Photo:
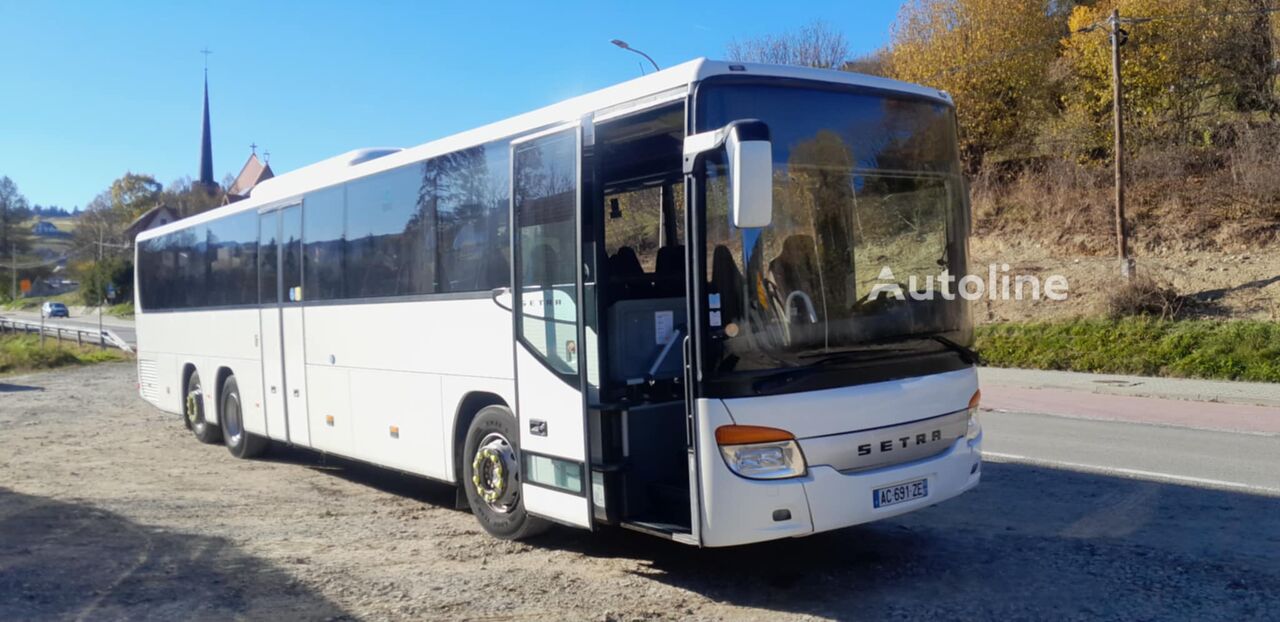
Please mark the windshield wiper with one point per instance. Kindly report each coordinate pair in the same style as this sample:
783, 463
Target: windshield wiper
968, 355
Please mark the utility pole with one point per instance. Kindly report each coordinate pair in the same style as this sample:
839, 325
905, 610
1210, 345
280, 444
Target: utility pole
1118, 38
13, 269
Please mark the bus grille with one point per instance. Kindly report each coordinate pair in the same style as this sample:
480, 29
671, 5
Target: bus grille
148, 379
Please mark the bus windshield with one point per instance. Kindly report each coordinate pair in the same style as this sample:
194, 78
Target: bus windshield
868, 214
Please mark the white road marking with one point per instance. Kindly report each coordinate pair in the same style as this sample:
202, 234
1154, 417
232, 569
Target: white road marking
1133, 473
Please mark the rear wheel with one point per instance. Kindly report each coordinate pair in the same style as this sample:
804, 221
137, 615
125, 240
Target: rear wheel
193, 412
239, 442
491, 476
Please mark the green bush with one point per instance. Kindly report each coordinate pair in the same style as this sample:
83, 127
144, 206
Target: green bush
1226, 350
95, 276
24, 353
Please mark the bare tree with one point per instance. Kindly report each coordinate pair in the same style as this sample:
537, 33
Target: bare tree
813, 45
875, 63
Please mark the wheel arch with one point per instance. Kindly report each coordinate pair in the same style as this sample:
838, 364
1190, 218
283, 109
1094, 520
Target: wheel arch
471, 404
224, 372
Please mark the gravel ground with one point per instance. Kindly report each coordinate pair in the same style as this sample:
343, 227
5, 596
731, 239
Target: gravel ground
109, 509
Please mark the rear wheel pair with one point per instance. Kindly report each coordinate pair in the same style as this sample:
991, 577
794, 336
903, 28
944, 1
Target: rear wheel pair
239, 442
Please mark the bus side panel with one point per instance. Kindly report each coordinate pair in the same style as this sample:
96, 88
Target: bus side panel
399, 420
398, 356
210, 340
329, 413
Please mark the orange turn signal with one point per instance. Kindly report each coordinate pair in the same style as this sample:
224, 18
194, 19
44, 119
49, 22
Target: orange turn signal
744, 434
977, 397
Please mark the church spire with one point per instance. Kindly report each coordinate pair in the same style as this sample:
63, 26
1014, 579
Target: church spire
206, 140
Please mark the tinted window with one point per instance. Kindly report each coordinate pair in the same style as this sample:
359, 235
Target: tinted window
151, 277
546, 292
291, 253
232, 255
268, 258
323, 222
469, 192
387, 250
190, 248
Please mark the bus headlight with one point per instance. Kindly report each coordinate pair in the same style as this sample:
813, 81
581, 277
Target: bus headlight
757, 452
975, 427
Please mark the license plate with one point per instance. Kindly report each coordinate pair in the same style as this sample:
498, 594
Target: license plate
899, 493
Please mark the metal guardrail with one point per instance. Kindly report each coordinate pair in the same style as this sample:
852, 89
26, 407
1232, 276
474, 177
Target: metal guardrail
79, 334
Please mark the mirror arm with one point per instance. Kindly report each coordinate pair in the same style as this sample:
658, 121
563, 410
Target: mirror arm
696, 146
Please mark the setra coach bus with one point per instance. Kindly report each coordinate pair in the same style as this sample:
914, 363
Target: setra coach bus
653, 306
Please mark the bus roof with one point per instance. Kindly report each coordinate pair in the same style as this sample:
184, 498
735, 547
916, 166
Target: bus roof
665, 85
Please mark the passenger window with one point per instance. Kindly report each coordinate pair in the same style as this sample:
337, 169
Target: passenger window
323, 222
388, 249
233, 245
469, 189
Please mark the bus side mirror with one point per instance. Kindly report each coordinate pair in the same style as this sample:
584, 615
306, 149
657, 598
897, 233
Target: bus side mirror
750, 156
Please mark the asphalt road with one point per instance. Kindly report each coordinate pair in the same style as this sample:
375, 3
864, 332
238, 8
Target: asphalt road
1246, 462
123, 328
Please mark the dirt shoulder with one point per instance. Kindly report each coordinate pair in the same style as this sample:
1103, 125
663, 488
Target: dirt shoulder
1241, 285
110, 510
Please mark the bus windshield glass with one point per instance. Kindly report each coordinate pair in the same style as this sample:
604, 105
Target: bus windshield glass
868, 217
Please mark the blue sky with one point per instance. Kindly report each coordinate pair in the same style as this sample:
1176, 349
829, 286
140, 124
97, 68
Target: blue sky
91, 90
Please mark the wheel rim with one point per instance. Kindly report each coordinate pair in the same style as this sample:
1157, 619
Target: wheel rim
231, 411
194, 397
495, 474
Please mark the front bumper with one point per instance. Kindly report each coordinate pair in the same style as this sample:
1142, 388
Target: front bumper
742, 511
839, 500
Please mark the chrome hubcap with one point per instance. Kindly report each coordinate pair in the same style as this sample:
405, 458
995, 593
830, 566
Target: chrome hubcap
194, 396
494, 473
231, 410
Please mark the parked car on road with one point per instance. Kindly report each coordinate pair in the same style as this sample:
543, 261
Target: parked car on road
54, 309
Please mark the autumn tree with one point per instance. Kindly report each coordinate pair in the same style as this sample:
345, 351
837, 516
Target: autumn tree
134, 194
1184, 61
990, 55
813, 45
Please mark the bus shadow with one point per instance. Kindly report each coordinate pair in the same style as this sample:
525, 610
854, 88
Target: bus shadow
1029, 543
65, 560
17, 388
379, 478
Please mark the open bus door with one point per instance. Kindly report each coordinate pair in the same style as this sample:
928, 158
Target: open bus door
547, 285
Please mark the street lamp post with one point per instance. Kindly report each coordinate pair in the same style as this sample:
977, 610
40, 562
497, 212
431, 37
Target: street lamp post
623, 44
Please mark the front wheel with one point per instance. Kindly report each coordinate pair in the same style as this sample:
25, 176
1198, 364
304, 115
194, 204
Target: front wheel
193, 412
239, 442
491, 476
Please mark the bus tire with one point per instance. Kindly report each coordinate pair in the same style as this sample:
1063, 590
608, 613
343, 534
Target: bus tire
193, 411
491, 476
239, 441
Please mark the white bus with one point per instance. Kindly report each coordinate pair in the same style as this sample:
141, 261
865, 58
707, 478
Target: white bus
697, 353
